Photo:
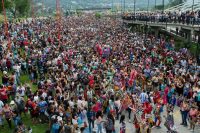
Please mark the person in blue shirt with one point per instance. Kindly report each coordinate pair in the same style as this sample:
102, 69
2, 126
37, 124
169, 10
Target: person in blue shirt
56, 126
170, 93
16, 119
90, 116
173, 100
42, 105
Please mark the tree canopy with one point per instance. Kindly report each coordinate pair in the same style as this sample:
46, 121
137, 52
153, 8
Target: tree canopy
7, 4
17, 7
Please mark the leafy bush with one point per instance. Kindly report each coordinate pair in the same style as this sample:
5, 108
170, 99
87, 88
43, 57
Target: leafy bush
1, 18
98, 15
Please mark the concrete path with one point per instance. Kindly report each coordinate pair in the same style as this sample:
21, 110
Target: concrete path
130, 128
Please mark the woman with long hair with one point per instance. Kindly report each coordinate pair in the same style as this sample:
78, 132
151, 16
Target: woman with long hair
99, 120
110, 124
136, 124
122, 124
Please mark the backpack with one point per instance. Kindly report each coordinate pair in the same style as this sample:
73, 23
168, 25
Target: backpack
67, 129
55, 128
20, 91
198, 96
21, 105
109, 125
8, 114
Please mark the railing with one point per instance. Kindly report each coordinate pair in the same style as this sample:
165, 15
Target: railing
188, 20
166, 21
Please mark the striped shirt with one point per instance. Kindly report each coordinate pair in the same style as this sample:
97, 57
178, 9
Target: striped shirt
143, 97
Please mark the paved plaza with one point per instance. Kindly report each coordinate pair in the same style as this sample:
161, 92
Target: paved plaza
177, 118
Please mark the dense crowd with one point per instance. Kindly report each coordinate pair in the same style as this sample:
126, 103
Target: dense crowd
188, 17
94, 72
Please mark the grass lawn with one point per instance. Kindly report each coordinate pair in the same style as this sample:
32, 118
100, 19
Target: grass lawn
37, 128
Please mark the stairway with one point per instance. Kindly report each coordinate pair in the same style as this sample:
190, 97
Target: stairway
186, 6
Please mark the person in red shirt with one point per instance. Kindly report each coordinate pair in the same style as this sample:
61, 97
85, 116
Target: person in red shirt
157, 114
91, 81
136, 125
8, 64
193, 117
147, 108
95, 108
156, 97
32, 106
3, 94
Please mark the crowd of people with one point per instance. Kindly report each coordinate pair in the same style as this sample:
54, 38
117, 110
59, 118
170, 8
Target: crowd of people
188, 17
94, 72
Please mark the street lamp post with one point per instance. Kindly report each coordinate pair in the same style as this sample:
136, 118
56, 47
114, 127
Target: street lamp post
124, 5
192, 5
112, 5
163, 3
134, 10
163, 9
121, 6
155, 4
148, 7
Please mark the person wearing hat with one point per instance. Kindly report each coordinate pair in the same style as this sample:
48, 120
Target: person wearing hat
5, 78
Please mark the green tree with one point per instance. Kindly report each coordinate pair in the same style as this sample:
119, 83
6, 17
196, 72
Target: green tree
20, 8
7, 5
17, 7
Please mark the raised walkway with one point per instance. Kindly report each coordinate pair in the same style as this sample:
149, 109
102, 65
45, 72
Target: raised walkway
164, 25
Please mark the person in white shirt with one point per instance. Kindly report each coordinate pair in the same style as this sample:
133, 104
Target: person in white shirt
71, 102
17, 69
80, 103
1, 105
1, 113
90, 93
21, 90
44, 94
117, 104
36, 98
